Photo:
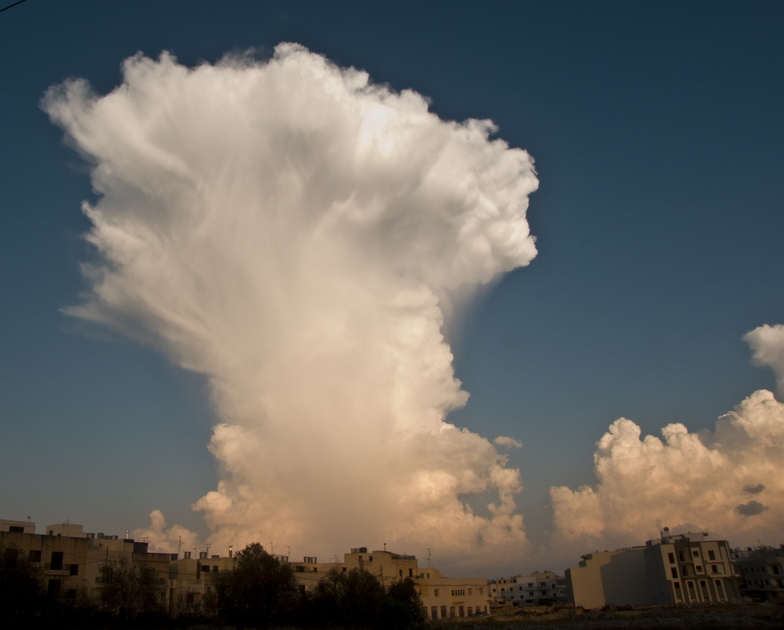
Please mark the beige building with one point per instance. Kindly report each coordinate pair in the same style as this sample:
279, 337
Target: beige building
190, 578
442, 597
73, 560
676, 569
542, 587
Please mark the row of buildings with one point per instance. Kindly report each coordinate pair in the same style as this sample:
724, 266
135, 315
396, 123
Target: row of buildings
673, 569
75, 561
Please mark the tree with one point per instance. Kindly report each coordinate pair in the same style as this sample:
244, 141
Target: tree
259, 592
129, 589
22, 594
353, 599
403, 608
356, 599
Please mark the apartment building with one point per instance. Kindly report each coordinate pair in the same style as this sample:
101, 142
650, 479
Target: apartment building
442, 597
539, 588
73, 560
761, 571
675, 569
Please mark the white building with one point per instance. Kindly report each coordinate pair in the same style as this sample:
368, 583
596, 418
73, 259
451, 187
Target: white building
542, 587
761, 572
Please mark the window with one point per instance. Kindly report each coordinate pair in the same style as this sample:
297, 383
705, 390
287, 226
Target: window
699, 568
696, 553
53, 588
435, 592
775, 568
411, 573
671, 557
34, 556
674, 572
481, 590
714, 568
680, 555
443, 612
434, 612
56, 565
711, 554
370, 558
215, 568
470, 591
428, 576
15, 529
470, 610
400, 572
74, 569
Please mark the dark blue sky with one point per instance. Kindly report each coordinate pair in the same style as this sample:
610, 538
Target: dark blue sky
657, 131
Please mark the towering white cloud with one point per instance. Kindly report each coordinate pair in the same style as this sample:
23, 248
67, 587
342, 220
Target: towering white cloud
767, 346
294, 232
729, 481
163, 539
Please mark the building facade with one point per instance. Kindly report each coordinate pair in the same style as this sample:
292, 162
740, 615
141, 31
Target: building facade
75, 561
676, 569
540, 588
761, 572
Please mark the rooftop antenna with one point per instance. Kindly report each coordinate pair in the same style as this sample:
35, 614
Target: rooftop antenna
208, 545
179, 546
428, 557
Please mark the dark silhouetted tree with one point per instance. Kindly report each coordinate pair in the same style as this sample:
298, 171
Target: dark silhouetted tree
356, 599
260, 592
130, 589
22, 594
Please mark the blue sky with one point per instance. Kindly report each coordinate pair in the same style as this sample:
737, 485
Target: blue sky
657, 134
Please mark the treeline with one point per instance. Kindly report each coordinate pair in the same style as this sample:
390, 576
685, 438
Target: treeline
260, 592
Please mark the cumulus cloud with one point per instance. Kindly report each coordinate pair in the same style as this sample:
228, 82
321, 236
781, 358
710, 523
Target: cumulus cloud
166, 540
684, 478
508, 442
297, 234
767, 347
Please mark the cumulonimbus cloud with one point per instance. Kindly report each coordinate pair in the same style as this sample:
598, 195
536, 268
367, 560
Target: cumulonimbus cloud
293, 231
